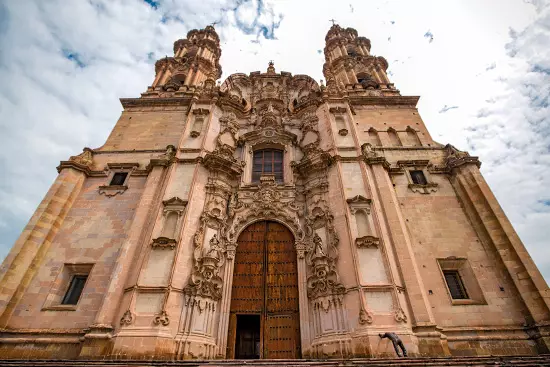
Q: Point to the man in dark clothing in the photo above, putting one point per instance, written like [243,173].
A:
[396,341]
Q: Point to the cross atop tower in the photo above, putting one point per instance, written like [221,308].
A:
[333,21]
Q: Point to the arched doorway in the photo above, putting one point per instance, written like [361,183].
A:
[264,319]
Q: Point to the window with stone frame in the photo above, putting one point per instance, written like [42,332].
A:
[267,162]
[68,288]
[418,177]
[460,281]
[118,179]
[76,286]
[455,285]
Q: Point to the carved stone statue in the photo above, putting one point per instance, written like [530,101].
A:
[396,341]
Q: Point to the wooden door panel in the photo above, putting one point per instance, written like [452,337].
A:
[280,337]
[265,281]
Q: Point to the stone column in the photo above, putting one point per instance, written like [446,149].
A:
[423,322]
[303,300]
[98,338]
[494,228]
[225,307]
[29,251]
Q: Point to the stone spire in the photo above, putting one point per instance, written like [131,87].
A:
[348,60]
[196,60]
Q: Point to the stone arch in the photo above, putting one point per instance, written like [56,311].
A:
[297,232]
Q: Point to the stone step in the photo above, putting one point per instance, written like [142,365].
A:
[523,361]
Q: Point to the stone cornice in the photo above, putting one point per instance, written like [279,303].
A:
[155,102]
[409,101]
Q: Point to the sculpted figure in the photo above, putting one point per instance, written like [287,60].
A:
[396,341]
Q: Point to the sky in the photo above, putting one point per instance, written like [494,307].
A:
[482,69]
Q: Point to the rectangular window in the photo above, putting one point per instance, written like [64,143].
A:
[118,179]
[267,161]
[455,285]
[418,177]
[75,290]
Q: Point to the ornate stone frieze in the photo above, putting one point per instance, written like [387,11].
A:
[267,201]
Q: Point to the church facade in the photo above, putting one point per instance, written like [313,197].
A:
[271,216]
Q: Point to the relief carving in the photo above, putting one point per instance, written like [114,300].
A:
[205,279]
[161,319]
[127,318]
[365,317]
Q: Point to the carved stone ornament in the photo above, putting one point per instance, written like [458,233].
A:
[85,158]
[359,202]
[399,315]
[424,189]
[343,132]
[164,243]
[365,317]
[269,201]
[367,241]
[456,158]
[112,190]
[161,319]
[205,280]
[127,318]
[324,281]
[368,151]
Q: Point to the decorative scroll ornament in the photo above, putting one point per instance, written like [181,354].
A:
[85,158]
[457,158]
[162,319]
[205,279]
[365,317]
[127,318]
[399,315]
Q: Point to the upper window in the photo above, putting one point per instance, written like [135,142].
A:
[351,51]
[418,177]
[268,162]
[454,282]
[118,179]
[75,290]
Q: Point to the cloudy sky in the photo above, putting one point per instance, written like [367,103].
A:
[482,69]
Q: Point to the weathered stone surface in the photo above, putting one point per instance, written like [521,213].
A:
[372,241]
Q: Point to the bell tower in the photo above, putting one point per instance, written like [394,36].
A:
[195,61]
[349,63]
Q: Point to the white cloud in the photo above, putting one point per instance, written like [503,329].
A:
[483,87]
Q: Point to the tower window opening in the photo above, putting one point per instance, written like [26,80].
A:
[455,285]
[418,177]
[75,290]
[352,52]
[267,162]
[118,179]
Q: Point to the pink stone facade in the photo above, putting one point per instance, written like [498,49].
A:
[372,243]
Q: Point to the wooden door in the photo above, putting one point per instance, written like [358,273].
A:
[265,283]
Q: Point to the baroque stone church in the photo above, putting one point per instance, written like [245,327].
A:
[272,217]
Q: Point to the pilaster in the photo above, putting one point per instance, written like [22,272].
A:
[29,251]
[98,340]
[495,229]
